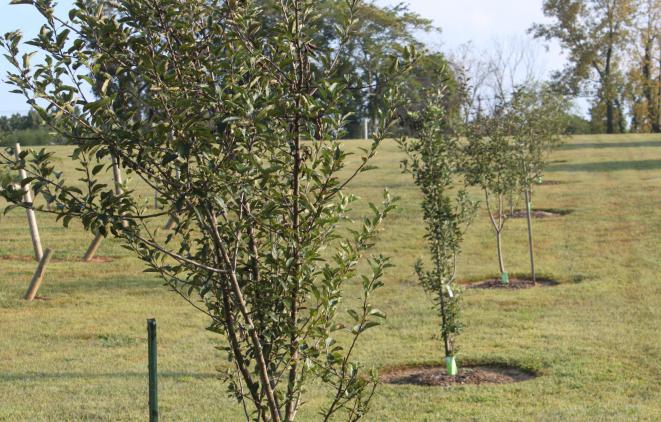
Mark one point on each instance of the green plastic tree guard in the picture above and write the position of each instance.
(451, 365)
(505, 278)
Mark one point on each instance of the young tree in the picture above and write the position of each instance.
(434, 160)
(595, 34)
(537, 122)
(490, 164)
(237, 130)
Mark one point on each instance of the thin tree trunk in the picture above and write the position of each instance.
(530, 241)
(610, 127)
(501, 264)
(446, 338)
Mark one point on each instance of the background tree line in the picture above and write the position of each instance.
(27, 129)
(613, 60)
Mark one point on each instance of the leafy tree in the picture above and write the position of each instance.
(430, 70)
(537, 122)
(577, 125)
(595, 34)
(5, 178)
(384, 32)
(643, 88)
(434, 160)
(490, 164)
(239, 136)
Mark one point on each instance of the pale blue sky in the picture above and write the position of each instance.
(479, 21)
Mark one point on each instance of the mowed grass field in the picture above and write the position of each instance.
(594, 340)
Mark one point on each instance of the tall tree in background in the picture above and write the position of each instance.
(594, 33)
(643, 88)
(384, 32)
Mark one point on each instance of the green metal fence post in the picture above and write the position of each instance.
(153, 375)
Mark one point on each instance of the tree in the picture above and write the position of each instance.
(430, 70)
(490, 164)
(385, 31)
(643, 88)
(434, 159)
(537, 121)
(239, 135)
(594, 33)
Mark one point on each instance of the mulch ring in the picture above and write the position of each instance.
(25, 258)
(470, 375)
(540, 213)
(515, 283)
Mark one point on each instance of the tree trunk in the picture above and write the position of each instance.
(656, 123)
(444, 334)
(610, 126)
(530, 242)
(499, 247)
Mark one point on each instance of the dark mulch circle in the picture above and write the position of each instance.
(470, 375)
(540, 213)
(514, 284)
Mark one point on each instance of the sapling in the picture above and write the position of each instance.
(537, 122)
(434, 160)
(237, 129)
(490, 165)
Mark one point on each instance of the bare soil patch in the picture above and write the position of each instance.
(514, 284)
(470, 375)
(540, 213)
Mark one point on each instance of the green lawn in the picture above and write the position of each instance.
(595, 339)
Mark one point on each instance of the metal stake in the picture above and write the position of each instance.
(153, 375)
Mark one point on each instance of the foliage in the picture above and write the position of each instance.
(431, 70)
(490, 164)
(384, 32)
(577, 125)
(27, 130)
(5, 178)
(237, 129)
(18, 122)
(594, 33)
(537, 122)
(643, 77)
(434, 160)
(31, 137)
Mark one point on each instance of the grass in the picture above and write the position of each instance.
(594, 339)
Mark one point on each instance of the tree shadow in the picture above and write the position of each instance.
(607, 166)
(38, 376)
(600, 145)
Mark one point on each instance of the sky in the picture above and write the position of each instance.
(481, 22)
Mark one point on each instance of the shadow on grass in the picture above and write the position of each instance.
(39, 376)
(599, 145)
(105, 284)
(607, 166)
